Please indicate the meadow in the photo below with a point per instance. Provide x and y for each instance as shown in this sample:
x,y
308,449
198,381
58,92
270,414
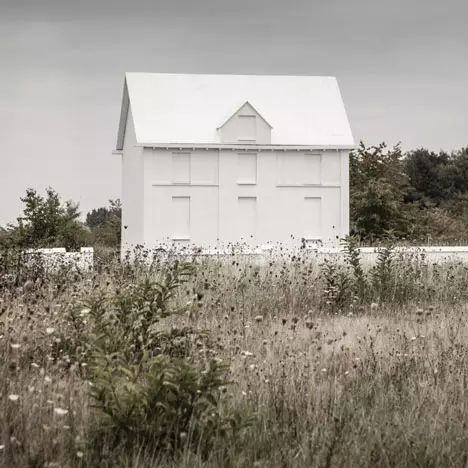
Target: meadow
x,y
208,363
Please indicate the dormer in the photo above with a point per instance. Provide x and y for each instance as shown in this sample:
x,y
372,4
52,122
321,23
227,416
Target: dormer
x,y
246,126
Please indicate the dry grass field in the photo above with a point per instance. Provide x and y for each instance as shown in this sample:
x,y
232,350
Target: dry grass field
x,y
210,364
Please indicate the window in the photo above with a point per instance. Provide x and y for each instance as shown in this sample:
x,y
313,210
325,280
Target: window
x,y
247,127
181,168
180,218
312,169
247,219
246,168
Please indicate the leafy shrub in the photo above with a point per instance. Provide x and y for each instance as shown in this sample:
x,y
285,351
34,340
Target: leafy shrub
x,y
338,291
161,401
148,384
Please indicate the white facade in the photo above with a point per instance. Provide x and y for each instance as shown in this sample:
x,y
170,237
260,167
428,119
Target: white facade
x,y
210,160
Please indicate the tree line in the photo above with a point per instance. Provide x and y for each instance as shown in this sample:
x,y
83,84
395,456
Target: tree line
x,y
418,197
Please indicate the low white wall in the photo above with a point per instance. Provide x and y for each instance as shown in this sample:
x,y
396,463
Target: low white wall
x,y
53,259
369,255
429,255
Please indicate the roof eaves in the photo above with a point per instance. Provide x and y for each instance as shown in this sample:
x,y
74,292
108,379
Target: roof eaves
x,y
271,147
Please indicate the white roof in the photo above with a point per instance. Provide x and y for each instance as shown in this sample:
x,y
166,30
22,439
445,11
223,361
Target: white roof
x,y
188,108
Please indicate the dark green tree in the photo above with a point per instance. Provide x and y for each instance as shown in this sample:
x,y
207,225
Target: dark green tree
x,y
105,223
378,187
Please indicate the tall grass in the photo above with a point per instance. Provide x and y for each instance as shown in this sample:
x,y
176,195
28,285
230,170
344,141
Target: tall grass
x,y
285,364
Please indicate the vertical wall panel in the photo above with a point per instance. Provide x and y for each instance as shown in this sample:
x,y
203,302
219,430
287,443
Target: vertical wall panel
x,y
312,216
181,168
181,218
332,168
290,168
246,168
247,218
312,169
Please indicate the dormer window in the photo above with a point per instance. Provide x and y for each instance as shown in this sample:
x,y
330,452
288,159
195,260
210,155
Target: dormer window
x,y
245,126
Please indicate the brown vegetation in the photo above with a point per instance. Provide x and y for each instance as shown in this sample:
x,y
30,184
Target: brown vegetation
x,y
327,365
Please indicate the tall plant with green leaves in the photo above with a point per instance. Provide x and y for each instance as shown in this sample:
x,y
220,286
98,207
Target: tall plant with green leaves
x,y
354,262
142,386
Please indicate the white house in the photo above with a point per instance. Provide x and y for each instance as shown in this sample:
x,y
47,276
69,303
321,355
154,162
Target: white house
x,y
209,160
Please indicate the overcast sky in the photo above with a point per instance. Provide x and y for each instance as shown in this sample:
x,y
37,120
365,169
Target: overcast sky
x,y
402,66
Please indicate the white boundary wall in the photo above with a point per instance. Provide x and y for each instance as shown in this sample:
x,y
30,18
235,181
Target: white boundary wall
x,y
369,255
58,257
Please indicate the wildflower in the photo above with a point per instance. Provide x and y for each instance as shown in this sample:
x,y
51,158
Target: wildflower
x,y
33,364
324,370
60,411
13,397
47,379
2,447
80,454
374,306
413,338
259,318
309,324
50,330
15,345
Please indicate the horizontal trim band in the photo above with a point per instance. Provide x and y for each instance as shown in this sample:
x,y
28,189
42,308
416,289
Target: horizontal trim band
x,y
215,146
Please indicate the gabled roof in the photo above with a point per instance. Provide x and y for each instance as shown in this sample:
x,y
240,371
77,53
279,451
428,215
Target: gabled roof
x,y
188,108
238,111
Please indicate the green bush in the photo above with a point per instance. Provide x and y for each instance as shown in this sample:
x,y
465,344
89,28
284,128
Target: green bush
x,y
147,383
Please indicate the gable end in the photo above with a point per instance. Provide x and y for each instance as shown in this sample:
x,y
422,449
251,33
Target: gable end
x,y
246,125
